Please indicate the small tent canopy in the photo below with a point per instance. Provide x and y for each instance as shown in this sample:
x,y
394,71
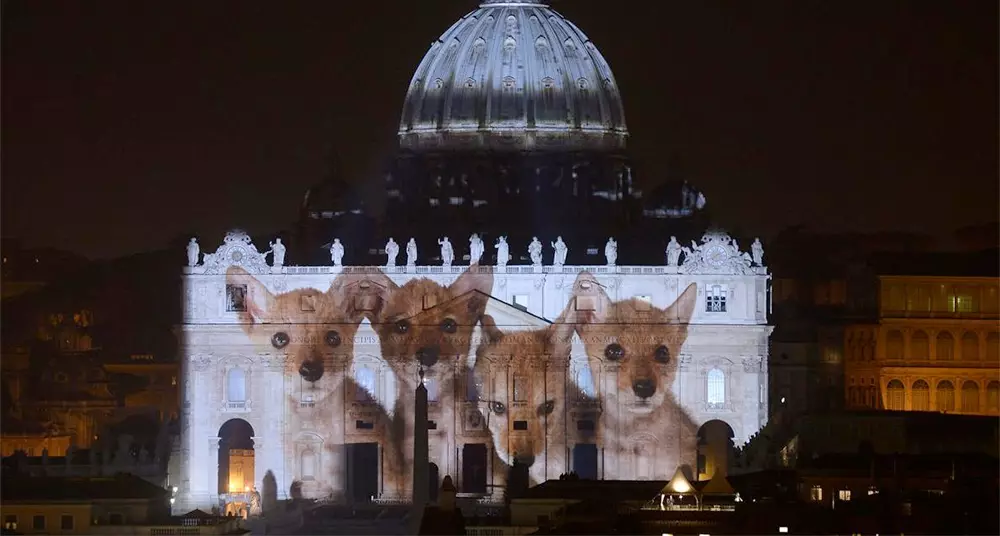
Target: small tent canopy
x,y
718,485
679,485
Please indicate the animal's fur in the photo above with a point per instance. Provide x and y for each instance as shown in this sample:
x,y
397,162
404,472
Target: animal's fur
x,y
524,374
307,316
643,427
423,318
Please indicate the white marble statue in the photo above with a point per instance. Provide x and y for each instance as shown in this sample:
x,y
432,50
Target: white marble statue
x,y
337,252
559,257
673,252
411,253
535,251
391,252
758,252
503,252
278,252
611,251
255,505
193,250
476,249
447,252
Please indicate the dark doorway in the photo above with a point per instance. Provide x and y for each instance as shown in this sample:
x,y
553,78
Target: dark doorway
x,y
236,438
474,458
362,471
585,460
433,477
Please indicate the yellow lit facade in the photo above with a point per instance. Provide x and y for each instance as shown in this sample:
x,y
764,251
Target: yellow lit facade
x,y
241,470
934,347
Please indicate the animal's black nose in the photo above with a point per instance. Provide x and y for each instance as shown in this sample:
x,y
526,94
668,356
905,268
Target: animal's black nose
x,y
644,388
524,459
428,355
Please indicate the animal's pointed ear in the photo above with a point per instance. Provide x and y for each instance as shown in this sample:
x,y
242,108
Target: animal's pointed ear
x,y
258,300
490,329
473,278
589,303
683,309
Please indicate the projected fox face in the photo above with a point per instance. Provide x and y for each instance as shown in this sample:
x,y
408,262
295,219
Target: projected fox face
x,y
316,331
643,341
425,324
524,400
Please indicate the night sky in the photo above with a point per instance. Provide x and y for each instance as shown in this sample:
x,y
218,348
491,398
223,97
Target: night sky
x,y
127,123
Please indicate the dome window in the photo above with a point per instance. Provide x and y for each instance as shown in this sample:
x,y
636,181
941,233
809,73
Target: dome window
x,y
438,83
509,43
508,82
541,42
470,83
569,44
548,83
480,43
582,83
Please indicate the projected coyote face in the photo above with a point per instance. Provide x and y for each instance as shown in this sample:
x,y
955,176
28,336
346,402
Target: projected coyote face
x,y
424,324
315,330
642,340
526,391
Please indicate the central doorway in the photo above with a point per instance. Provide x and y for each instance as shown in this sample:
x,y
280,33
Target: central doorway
x,y
362,471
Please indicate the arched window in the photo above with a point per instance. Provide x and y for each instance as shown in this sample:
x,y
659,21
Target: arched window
x,y
236,386
945,396
993,396
365,378
894,345
921,396
970,346
308,465
896,396
716,389
993,346
920,346
473,386
945,346
970,397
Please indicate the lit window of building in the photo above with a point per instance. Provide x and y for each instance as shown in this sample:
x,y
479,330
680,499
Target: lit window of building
x,y
716,389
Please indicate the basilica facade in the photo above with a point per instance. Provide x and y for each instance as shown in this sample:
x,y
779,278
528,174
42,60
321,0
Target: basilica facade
x,y
545,302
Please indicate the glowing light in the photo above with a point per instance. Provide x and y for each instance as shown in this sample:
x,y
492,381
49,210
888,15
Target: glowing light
x,y
172,500
783,530
782,400
174,489
681,487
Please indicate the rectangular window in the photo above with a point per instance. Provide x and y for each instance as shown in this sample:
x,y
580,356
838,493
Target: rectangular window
x,y
715,300
430,300
38,523
364,425
116,519
586,303
431,384
520,425
585,425
236,298
10,522
844,494
816,494
643,302
66,523
473,386
520,388
308,303
521,301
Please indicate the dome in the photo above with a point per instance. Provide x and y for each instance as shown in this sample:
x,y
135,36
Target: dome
x,y
513,75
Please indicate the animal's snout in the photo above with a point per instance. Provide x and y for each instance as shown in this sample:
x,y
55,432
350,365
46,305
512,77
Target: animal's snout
x,y
644,388
524,459
428,355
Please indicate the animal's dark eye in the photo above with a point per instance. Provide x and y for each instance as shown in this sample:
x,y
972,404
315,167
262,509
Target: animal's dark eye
x,y
662,355
332,338
547,407
311,371
614,352
402,326
498,407
449,326
280,339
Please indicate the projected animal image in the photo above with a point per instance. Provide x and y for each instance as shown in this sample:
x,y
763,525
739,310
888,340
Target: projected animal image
x,y
547,396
